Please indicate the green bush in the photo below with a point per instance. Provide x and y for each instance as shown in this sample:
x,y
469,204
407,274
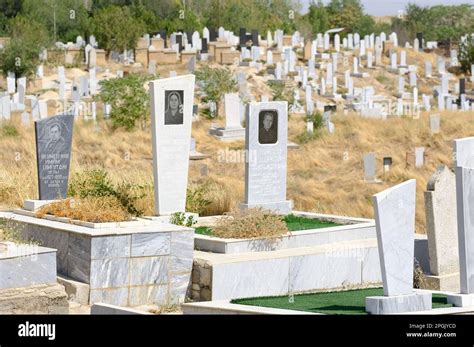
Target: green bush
x,y
96,183
196,198
179,218
215,82
318,125
8,130
129,100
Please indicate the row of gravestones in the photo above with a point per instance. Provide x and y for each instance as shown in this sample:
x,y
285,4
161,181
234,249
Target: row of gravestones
x,y
395,225
172,108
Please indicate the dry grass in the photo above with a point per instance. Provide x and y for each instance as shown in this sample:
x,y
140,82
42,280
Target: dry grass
x,y
251,223
91,209
324,175
319,177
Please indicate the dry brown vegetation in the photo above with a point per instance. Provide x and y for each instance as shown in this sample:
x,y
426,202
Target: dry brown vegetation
x,y
324,175
90,209
251,223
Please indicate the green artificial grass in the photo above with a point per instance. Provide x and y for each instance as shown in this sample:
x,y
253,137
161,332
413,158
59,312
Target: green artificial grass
x,y
294,223
336,303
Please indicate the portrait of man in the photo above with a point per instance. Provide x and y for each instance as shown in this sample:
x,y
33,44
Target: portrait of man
x,y
174,107
55,142
268,127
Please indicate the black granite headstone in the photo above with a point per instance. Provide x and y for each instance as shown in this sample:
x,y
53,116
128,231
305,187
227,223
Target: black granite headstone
x,y
419,36
242,36
53,155
189,35
212,34
204,45
387,161
179,41
163,36
462,86
254,37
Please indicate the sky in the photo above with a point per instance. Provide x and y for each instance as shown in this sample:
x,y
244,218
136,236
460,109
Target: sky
x,y
391,7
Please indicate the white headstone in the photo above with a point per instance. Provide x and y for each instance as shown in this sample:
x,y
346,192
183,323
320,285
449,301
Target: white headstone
x,y
266,148
171,115
395,226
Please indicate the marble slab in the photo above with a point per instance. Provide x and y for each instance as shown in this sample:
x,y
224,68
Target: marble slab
x,y
395,225
418,301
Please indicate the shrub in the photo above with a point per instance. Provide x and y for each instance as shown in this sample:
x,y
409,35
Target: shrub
x,y
179,218
97,184
8,130
215,82
318,125
250,223
128,99
196,198
281,92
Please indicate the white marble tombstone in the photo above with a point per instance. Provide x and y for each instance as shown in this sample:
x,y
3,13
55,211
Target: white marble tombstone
x,y
171,135
25,119
428,69
369,167
43,109
403,58
419,156
337,42
395,225
11,86
6,107
269,57
464,164
233,129
266,150
92,82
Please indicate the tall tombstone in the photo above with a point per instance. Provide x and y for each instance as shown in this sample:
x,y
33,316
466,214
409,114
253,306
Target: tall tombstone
x,y
5,104
435,121
266,150
92,82
369,167
242,37
419,156
441,227
464,164
232,110
395,226
212,34
53,154
419,36
171,111
255,38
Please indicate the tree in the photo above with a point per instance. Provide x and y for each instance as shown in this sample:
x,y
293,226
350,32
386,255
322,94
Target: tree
x,y
128,99
466,54
345,13
215,82
318,17
116,29
21,54
64,19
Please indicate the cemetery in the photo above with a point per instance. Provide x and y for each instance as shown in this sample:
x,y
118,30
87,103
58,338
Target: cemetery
x,y
225,170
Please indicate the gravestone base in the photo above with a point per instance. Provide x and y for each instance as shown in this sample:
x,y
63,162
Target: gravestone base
x,y
193,155
33,205
360,75
398,304
448,282
228,134
167,218
204,57
280,207
461,300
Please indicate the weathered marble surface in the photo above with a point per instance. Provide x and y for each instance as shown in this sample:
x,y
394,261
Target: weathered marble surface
x,y
465,208
441,222
150,244
463,152
398,303
26,265
265,167
395,225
